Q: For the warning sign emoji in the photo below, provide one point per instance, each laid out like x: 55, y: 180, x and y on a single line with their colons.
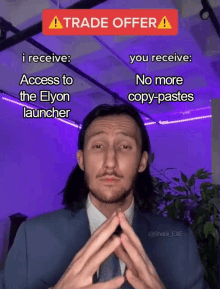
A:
x: 55, y: 24
x: 164, y: 24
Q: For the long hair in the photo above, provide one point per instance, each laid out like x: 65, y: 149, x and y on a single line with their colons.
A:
x: 75, y: 192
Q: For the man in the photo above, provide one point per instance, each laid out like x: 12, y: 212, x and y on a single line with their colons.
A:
x: 110, y: 189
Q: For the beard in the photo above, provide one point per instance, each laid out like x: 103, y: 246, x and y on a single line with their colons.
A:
x: 111, y: 194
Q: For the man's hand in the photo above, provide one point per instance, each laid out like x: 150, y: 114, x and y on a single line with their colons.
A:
x: 123, y: 255
x: 88, y: 260
x: 146, y: 277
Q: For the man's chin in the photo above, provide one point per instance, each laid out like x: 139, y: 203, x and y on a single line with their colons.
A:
x: 110, y: 196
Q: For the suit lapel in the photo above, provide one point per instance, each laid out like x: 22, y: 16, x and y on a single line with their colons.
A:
x: 81, y: 230
x: 75, y: 235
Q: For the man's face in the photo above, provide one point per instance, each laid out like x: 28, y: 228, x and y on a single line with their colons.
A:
x: 112, y: 150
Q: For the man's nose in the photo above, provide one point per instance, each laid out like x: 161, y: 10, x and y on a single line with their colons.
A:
x: 110, y: 158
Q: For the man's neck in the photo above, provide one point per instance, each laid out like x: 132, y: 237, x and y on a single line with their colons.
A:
x: 108, y: 209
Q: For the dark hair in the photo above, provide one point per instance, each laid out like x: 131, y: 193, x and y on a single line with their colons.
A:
x: 75, y: 192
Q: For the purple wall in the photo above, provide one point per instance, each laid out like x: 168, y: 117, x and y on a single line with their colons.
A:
x: 185, y: 146
x: 36, y: 157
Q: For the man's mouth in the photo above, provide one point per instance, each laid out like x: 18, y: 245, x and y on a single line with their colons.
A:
x: 109, y: 180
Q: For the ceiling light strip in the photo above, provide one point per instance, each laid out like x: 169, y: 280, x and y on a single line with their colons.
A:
x: 180, y: 120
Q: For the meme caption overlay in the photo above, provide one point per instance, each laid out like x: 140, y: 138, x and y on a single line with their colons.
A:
x: 104, y: 22
x: 110, y: 22
x: 143, y: 80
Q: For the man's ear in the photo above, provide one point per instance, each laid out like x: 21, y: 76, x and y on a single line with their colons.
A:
x: 143, y: 163
x: 79, y: 157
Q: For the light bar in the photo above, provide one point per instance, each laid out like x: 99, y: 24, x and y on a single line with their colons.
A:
x: 186, y: 119
x: 191, y: 110
x: 180, y: 120
x: 185, y: 112
x: 16, y: 102
x: 72, y: 123
x: 150, y: 123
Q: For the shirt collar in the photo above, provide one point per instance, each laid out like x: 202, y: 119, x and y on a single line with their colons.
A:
x: 96, y: 218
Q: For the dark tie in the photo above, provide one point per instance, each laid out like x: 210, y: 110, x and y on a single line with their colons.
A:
x: 109, y: 269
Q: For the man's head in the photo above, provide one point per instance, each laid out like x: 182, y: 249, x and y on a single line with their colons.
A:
x: 112, y: 150
x: 113, y: 144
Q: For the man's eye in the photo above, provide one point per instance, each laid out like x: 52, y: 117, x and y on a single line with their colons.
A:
x: 126, y: 147
x: 96, y: 146
x: 99, y: 146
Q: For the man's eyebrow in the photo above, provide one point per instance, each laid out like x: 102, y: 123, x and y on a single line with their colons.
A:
x: 104, y: 132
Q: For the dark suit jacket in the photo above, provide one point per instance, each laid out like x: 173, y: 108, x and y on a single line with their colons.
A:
x: 45, y: 246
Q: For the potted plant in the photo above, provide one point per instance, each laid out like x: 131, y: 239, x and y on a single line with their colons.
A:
x: 195, y: 202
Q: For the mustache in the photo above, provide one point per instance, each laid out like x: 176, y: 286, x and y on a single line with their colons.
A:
x: 110, y: 175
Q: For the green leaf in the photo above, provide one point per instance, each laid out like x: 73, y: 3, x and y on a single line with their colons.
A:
x: 194, y: 198
x: 215, y: 202
x: 176, y: 179
x: 205, y: 185
x: 180, y: 189
x: 216, y: 226
x: 182, y: 211
x: 199, y: 172
x: 177, y: 204
x: 172, y: 213
x: 199, y: 220
x: 208, y: 228
x: 183, y: 197
x: 160, y: 185
x: 184, y: 178
x: 191, y: 180
x: 169, y: 197
x: 202, y: 212
x: 200, y: 232
x: 166, y: 185
x: 188, y: 189
x: 204, y: 176
x: 192, y: 213
x: 216, y: 235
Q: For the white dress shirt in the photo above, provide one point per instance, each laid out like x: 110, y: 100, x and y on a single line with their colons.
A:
x: 96, y: 218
